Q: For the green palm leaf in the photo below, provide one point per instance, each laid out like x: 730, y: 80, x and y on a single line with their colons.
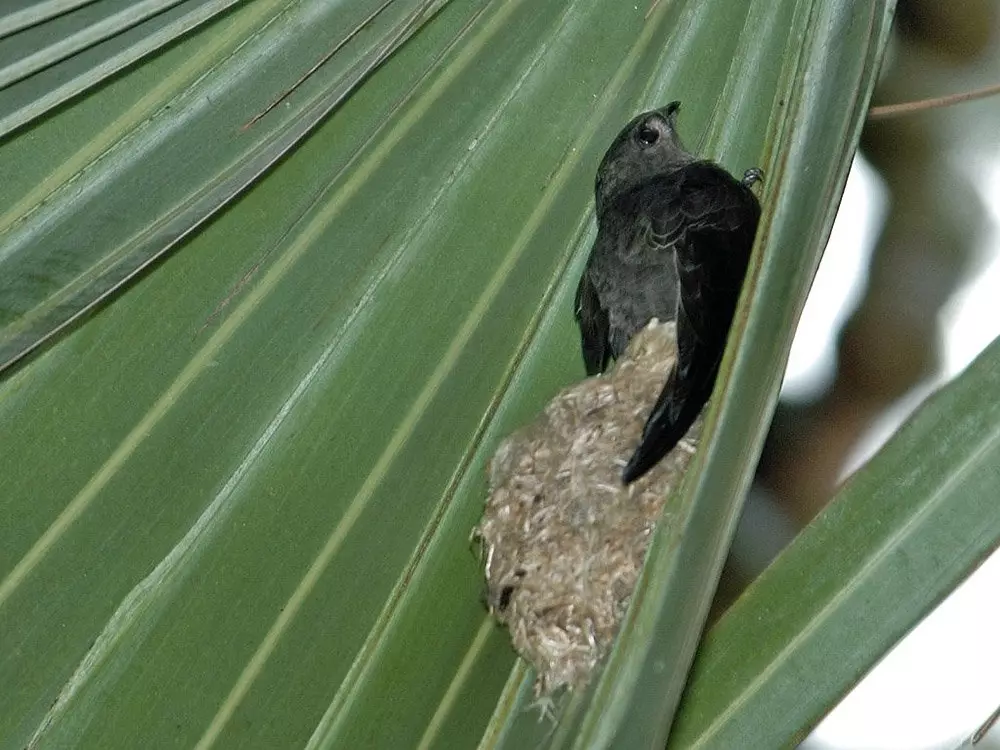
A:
x: 900, y: 535
x: 240, y: 494
x: 100, y: 192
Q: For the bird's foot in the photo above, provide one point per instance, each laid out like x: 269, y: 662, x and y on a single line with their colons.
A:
x: 752, y: 175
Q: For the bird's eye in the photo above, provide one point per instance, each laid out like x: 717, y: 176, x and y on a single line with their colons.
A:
x: 647, y: 135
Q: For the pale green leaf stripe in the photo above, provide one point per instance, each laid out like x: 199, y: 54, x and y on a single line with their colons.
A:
x: 512, y: 696
x: 416, y: 411
x: 203, y: 359
x: 202, y: 203
x: 242, y: 24
x: 365, y: 659
x: 112, y: 65
x: 451, y: 695
x: 37, y: 13
x: 139, y: 611
x: 403, y: 431
x: 86, y: 37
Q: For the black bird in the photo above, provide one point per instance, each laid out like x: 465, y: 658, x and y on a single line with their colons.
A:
x: 673, y: 242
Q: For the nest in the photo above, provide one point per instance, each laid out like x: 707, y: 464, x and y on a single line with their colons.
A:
x: 563, y: 540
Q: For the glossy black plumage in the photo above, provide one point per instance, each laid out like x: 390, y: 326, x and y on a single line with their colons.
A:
x: 673, y: 242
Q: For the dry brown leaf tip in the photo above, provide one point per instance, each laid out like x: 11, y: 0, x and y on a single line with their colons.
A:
x: 563, y: 540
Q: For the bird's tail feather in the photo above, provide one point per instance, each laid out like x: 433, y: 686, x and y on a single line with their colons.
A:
x: 678, y: 406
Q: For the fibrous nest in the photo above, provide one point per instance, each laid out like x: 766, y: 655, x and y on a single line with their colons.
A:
x: 562, y: 539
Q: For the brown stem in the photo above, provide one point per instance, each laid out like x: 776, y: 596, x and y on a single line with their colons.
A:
x: 895, y: 110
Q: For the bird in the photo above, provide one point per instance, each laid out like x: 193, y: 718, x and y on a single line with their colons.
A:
x: 674, y: 236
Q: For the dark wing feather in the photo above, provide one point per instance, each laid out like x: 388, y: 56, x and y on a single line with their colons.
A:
x: 711, y: 228
x: 594, y: 327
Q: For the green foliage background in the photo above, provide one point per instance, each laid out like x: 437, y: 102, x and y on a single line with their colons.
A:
x: 270, y: 294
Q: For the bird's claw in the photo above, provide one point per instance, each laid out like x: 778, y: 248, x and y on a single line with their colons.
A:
x: 752, y: 175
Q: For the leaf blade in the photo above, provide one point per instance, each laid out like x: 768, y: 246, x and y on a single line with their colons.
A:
x: 900, y: 535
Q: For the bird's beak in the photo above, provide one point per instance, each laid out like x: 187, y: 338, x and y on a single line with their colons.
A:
x: 670, y: 113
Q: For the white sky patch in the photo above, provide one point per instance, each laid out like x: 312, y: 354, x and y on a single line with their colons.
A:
x: 971, y: 320
x: 839, y: 284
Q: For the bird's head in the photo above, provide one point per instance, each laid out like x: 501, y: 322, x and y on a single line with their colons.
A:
x: 646, y: 147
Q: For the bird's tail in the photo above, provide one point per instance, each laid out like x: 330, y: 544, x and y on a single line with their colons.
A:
x: 688, y: 387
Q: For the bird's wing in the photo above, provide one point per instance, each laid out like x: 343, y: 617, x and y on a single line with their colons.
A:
x: 592, y: 318
x: 710, y: 220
